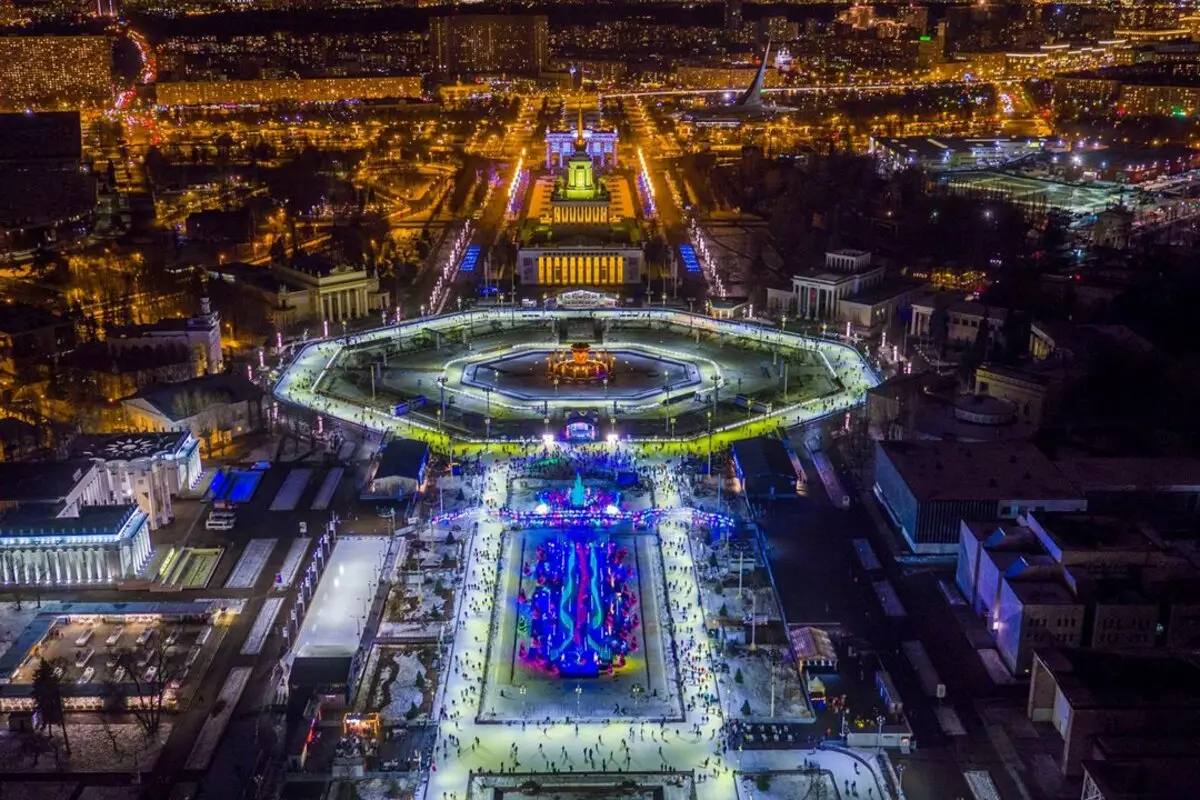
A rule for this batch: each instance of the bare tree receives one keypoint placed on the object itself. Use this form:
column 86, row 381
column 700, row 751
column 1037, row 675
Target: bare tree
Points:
column 153, row 672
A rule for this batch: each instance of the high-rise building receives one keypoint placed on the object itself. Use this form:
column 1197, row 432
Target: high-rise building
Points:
column 488, row 43
column 733, row 15
column 55, row 72
column 1140, row 15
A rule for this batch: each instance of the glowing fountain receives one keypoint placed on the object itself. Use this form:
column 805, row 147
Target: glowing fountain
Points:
column 581, row 365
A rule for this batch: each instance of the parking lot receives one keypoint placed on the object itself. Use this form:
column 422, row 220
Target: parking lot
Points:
column 87, row 648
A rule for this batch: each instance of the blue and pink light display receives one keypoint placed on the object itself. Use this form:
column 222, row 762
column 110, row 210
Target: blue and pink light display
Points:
column 582, row 616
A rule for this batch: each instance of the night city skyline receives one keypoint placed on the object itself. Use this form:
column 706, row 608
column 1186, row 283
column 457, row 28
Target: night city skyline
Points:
column 416, row 400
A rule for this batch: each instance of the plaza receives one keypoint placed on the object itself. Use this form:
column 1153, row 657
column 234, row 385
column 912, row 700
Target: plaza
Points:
column 579, row 652
column 479, row 377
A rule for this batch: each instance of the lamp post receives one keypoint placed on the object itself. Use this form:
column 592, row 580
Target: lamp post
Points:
column 487, row 395
column 487, row 426
column 578, row 698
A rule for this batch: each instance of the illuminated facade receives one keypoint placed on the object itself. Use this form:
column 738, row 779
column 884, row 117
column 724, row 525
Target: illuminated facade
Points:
column 60, row 524
column 600, row 145
column 55, row 72
column 286, row 90
column 582, row 229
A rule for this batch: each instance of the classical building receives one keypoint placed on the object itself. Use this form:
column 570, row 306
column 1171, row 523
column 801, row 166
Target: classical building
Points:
column 962, row 319
column 846, row 289
column 309, row 287
column 213, row 408
column 581, row 229
column 147, row 468
column 201, row 335
column 59, row 526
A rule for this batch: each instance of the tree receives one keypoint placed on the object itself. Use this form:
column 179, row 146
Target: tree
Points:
column 152, row 672
column 746, row 708
column 48, row 698
column 737, row 676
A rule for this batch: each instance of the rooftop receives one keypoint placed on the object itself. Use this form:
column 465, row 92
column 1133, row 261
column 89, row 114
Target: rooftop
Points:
column 538, row 234
column 977, row 471
column 1132, row 474
column 1094, row 679
column 28, row 521
column 41, row 481
column 127, row 445
column 178, row 401
column 1145, row 778
column 402, row 458
column 762, row 455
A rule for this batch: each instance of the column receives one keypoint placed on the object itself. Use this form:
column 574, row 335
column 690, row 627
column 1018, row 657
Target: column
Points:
column 55, row 558
column 4, row 567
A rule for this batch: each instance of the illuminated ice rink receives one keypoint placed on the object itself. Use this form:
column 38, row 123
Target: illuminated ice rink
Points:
column 334, row 625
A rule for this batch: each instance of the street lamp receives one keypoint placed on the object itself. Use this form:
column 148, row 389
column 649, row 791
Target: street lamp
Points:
column 487, row 426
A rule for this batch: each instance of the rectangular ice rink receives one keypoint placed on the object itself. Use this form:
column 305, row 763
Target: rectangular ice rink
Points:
column 333, row 625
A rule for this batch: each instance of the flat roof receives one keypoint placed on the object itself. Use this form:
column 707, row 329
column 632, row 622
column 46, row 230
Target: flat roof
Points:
column 124, row 446
column 1146, row 680
column 890, row 288
column 177, row 401
column 1145, row 778
column 41, row 481
column 977, row 471
column 763, row 455
column 1106, row 474
column 402, row 458
column 1042, row 592
column 1092, row 532
column 929, row 147
column 39, row 520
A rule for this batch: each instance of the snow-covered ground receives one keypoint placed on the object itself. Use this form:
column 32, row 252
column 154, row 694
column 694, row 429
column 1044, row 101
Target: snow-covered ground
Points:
column 333, row 624
column 396, row 691
column 214, row 725
column 92, row 749
column 386, row 789
column 291, row 562
column 755, row 687
column 262, row 626
column 12, row 622
column 792, row 786
column 254, row 557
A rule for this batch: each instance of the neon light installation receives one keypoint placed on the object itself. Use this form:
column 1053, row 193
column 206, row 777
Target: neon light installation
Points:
column 582, row 615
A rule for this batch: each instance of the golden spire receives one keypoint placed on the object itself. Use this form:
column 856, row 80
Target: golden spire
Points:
column 579, row 143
